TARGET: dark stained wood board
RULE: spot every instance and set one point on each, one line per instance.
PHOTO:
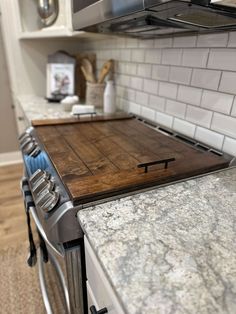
(99, 159)
(86, 118)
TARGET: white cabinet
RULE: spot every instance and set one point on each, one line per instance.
(99, 290)
(30, 27)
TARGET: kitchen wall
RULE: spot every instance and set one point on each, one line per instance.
(8, 132)
(185, 83)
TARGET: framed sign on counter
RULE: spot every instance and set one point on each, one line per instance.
(60, 76)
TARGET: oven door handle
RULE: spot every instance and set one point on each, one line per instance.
(42, 232)
(43, 285)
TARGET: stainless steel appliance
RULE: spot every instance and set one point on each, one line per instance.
(154, 18)
(74, 163)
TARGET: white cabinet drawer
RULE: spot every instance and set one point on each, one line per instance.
(98, 287)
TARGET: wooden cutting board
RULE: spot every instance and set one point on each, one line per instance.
(100, 158)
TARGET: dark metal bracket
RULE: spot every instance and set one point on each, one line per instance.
(91, 114)
(152, 163)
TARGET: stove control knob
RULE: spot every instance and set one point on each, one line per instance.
(36, 151)
(26, 141)
(29, 147)
(48, 201)
(23, 137)
(43, 186)
(38, 175)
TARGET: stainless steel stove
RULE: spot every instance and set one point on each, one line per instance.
(71, 164)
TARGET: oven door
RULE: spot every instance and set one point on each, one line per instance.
(53, 285)
(61, 271)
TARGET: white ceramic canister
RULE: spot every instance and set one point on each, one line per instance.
(109, 98)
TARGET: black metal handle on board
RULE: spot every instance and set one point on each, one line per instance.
(94, 311)
(152, 163)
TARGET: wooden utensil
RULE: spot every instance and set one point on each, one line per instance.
(107, 66)
(80, 81)
(87, 70)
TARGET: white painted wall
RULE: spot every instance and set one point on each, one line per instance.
(8, 133)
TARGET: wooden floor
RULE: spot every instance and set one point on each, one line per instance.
(13, 229)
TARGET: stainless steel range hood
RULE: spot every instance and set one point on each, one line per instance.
(154, 18)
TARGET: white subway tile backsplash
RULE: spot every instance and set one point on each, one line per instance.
(127, 68)
(208, 79)
(144, 70)
(134, 108)
(120, 91)
(131, 43)
(163, 42)
(217, 101)
(184, 127)
(229, 146)
(160, 72)
(180, 75)
(232, 39)
(228, 82)
(150, 86)
(130, 94)
(168, 90)
(189, 95)
(123, 80)
(175, 108)
(195, 57)
(147, 44)
(148, 113)
(184, 42)
(171, 56)
(223, 59)
(186, 83)
(224, 124)
(142, 98)
(137, 55)
(199, 116)
(212, 40)
(164, 119)
(125, 55)
(153, 56)
(157, 103)
(209, 137)
(136, 82)
(233, 113)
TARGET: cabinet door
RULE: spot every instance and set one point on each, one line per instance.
(100, 292)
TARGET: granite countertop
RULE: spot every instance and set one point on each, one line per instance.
(172, 249)
(36, 107)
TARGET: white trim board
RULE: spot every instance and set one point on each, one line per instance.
(10, 158)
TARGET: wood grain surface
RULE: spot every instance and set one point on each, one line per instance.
(100, 158)
(13, 228)
(75, 120)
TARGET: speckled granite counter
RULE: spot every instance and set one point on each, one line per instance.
(172, 249)
(35, 107)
